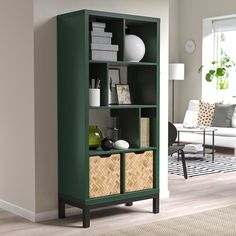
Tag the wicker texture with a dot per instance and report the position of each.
(138, 171)
(104, 176)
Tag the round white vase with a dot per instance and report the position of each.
(134, 48)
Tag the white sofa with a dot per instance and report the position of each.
(224, 137)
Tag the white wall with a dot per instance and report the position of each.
(46, 82)
(191, 14)
(174, 50)
(17, 152)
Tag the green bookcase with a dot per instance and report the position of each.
(129, 175)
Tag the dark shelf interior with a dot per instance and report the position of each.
(116, 27)
(147, 31)
(142, 84)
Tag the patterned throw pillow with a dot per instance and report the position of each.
(205, 114)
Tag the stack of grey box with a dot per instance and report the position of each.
(101, 47)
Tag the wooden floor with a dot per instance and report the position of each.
(187, 196)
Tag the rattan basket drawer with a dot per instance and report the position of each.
(138, 171)
(104, 176)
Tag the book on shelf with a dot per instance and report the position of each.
(144, 132)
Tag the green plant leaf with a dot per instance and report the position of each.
(200, 69)
(209, 77)
(212, 72)
(220, 72)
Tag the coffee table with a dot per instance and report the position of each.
(203, 131)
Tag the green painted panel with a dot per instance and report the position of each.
(100, 152)
(122, 196)
(157, 156)
(72, 105)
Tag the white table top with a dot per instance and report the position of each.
(181, 128)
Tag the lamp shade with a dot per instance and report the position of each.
(176, 71)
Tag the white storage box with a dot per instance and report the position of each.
(104, 47)
(104, 55)
(102, 40)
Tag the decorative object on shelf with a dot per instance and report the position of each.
(101, 47)
(123, 94)
(144, 132)
(94, 97)
(190, 46)
(114, 78)
(94, 93)
(121, 144)
(176, 72)
(112, 128)
(134, 48)
(107, 144)
(95, 137)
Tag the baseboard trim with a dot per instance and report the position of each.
(29, 215)
(36, 217)
(50, 215)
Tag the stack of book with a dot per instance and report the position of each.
(145, 132)
(101, 47)
(193, 148)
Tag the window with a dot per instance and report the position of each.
(219, 35)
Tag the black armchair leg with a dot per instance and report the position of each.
(184, 164)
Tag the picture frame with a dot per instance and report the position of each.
(123, 94)
(113, 79)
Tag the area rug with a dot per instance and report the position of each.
(217, 222)
(197, 166)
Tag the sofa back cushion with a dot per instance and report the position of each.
(205, 114)
(192, 112)
(193, 105)
(223, 115)
(234, 118)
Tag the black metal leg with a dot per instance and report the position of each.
(184, 164)
(129, 204)
(61, 208)
(86, 217)
(204, 141)
(155, 205)
(213, 146)
(178, 133)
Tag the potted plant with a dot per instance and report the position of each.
(219, 71)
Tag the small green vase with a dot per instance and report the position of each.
(95, 137)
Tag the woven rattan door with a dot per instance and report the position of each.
(104, 176)
(138, 171)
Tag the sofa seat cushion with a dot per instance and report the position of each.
(222, 131)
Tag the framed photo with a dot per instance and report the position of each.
(123, 94)
(114, 78)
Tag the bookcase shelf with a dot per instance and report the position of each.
(103, 153)
(88, 178)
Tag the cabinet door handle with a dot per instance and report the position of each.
(139, 152)
(105, 156)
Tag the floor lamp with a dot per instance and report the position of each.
(176, 72)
